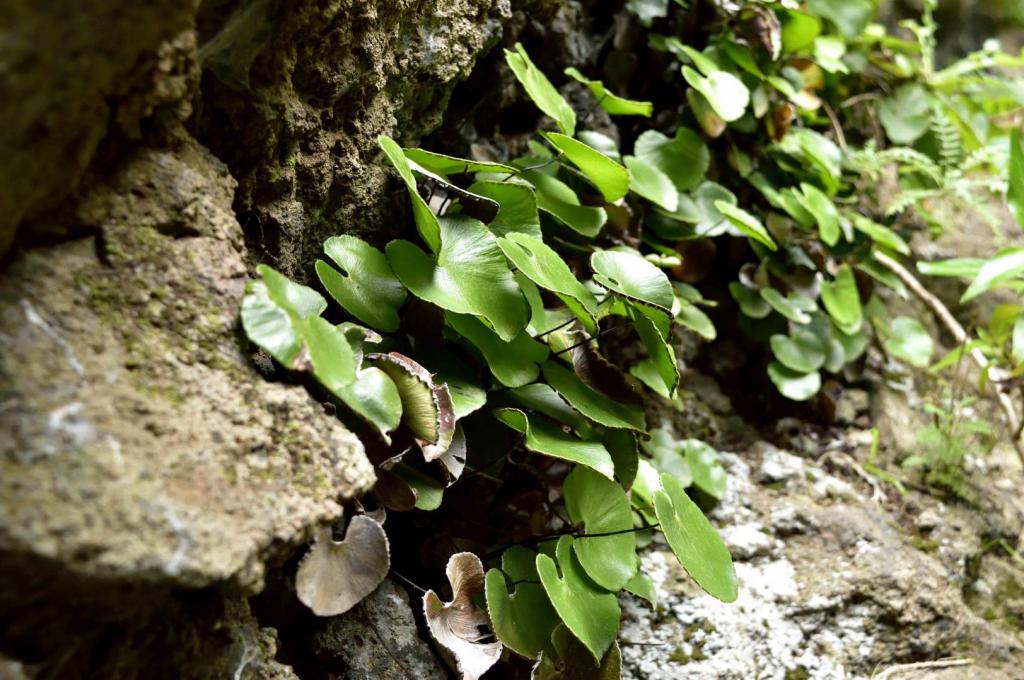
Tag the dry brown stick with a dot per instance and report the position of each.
(1013, 421)
(895, 671)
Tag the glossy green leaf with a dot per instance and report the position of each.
(747, 223)
(517, 210)
(546, 268)
(426, 221)
(824, 211)
(725, 92)
(542, 398)
(613, 104)
(629, 274)
(589, 611)
(450, 165)
(794, 307)
(622, 445)
(803, 351)
(879, 233)
(593, 405)
(708, 474)
(429, 491)
(365, 285)
(906, 114)
(642, 586)
(696, 544)
(558, 200)
(842, 300)
(1015, 191)
(710, 122)
(469, 276)
(648, 181)
(610, 178)
(523, 618)
(799, 30)
(513, 363)
(543, 436)
(602, 507)
(964, 268)
(375, 398)
(658, 349)
(270, 326)
(1004, 266)
(793, 384)
(684, 159)
(540, 89)
(694, 318)
(907, 339)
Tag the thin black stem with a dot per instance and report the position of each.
(535, 540)
(407, 581)
(556, 328)
(586, 340)
(538, 166)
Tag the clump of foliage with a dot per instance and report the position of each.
(752, 162)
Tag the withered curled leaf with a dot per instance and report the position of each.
(334, 576)
(601, 375)
(460, 626)
(426, 406)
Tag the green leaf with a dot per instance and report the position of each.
(523, 619)
(667, 451)
(426, 221)
(299, 301)
(375, 398)
(621, 444)
(541, 398)
(450, 165)
(517, 207)
(542, 265)
(963, 268)
(803, 351)
(602, 507)
(334, 363)
(429, 492)
(851, 17)
(708, 473)
(750, 301)
(842, 300)
(613, 104)
(593, 405)
(747, 223)
(906, 114)
(710, 122)
(696, 320)
(1004, 266)
(879, 233)
(513, 363)
(648, 181)
(824, 211)
(799, 30)
(366, 287)
(426, 405)
(684, 158)
(660, 351)
(561, 202)
(793, 384)
(609, 177)
(908, 340)
(794, 306)
(726, 93)
(1015, 192)
(469, 275)
(629, 274)
(546, 438)
(569, 659)
(270, 326)
(642, 586)
(540, 89)
(694, 541)
(467, 395)
(590, 612)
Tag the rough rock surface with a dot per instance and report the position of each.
(836, 580)
(149, 473)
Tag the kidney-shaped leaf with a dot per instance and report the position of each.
(842, 300)
(540, 89)
(602, 507)
(629, 274)
(469, 276)
(609, 177)
(523, 619)
(517, 206)
(793, 384)
(589, 611)
(683, 158)
(334, 576)
(694, 541)
(459, 626)
(366, 287)
(272, 311)
(547, 438)
(725, 92)
(649, 181)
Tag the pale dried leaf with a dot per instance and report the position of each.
(334, 576)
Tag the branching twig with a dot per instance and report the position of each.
(940, 310)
